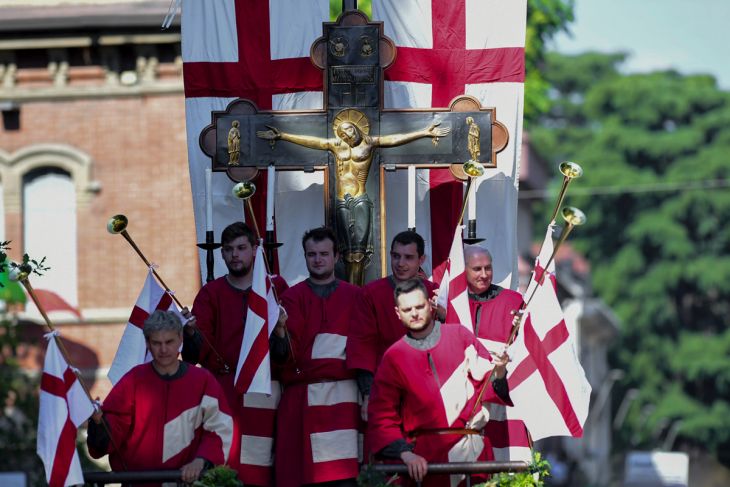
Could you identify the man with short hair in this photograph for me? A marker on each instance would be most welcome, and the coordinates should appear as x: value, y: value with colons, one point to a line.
x: 375, y: 327
x: 492, y: 307
x: 219, y: 311
x: 427, y: 402
x: 164, y: 414
x: 493, y: 313
x: 317, y: 424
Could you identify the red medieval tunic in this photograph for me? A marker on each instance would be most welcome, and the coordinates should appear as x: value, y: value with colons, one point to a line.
x: 162, y: 423
x: 220, y: 311
x: 417, y: 390
x: 492, y: 315
x: 376, y: 325
x: 317, y: 424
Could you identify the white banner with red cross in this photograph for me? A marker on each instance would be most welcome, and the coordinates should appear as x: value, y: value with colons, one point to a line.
x: 260, y: 50
x: 547, y: 383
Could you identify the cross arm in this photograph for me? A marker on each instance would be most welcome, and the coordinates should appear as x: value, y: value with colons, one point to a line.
x: 286, y: 140
x: 444, y: 141
x: 394, y: 140
x: 308, y: 141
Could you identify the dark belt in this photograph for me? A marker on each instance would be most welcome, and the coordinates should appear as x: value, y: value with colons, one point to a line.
x: 444, y: 431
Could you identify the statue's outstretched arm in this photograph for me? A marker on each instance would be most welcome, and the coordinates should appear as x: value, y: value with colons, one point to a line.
x: 304, y: 140
x: 399, y: 139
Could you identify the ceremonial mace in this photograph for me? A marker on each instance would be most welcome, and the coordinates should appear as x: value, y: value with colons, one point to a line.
x: 118, y: 225
x: 468, y: 172
x: 20, y: 274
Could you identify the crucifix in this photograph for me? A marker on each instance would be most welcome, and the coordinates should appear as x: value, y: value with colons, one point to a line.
x: 353, y: 138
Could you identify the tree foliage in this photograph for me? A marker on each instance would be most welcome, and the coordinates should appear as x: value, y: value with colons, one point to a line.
x: 545, y: 19
x: 654, y: 148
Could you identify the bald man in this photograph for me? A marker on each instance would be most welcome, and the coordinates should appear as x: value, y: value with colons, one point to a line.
x: 492, y: 309
x: 491, y: 306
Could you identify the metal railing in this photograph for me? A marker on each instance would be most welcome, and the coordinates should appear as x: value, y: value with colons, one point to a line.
x: 456, y: 468
x: 99, y: 479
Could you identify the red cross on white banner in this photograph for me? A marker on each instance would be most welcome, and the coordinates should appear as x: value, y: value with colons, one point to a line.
x: 449, y: 66
x: 63, y: 407
x: 255, y: 75
x: 547, y: 383
x: 259, y: 50
x: 538, y: 361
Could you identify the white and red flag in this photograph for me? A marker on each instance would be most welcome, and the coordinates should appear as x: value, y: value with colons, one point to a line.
x: 454, y: 291
x: 64, y: 406
x: 260, y: 50
x: 253, y: 371
x: 446, y: 49
x: 547, y: 383
x: 132, y: 349
x: 257, y: 50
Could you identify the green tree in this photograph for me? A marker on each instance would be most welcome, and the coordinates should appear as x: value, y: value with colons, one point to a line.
x: 654, y: 149
x: 545, y: 19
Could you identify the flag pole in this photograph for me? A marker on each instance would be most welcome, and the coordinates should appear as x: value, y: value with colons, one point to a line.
x: 118, y: 225
x: 22, y: 276
x: 244, y: 191
x: 573, y: 217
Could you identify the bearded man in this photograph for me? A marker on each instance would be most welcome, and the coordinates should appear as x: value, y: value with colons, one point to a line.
x: 214, y: 341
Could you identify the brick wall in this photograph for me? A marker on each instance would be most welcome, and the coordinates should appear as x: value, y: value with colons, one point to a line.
x: 138, y: 149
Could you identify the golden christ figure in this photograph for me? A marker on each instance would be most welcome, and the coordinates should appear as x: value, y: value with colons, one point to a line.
x: 353, y: 149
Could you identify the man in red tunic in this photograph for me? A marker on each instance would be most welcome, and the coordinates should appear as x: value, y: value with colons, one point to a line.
x: 317, y: 424
x: 492, y: 312
x: 376, y: 327
x: 220, y: 310
x: 427, y: 402
x: 164, y: 414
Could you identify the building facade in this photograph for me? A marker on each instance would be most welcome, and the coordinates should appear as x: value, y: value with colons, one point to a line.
x: 93, y: 125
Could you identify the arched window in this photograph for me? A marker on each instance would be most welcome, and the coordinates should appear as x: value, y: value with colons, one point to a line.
x: 49, y: 229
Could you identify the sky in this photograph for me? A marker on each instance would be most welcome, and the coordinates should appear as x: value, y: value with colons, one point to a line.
x: 691, y: 36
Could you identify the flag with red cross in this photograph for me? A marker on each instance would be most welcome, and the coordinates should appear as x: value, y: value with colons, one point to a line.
x: 260, y: 51
x: 547, y: 383
x: 64, y: 406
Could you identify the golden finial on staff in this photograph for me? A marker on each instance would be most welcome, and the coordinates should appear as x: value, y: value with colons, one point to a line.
x: 118, y: 225
x: 570, y: 171
x: 468, y: 172
x: 244, y: 190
